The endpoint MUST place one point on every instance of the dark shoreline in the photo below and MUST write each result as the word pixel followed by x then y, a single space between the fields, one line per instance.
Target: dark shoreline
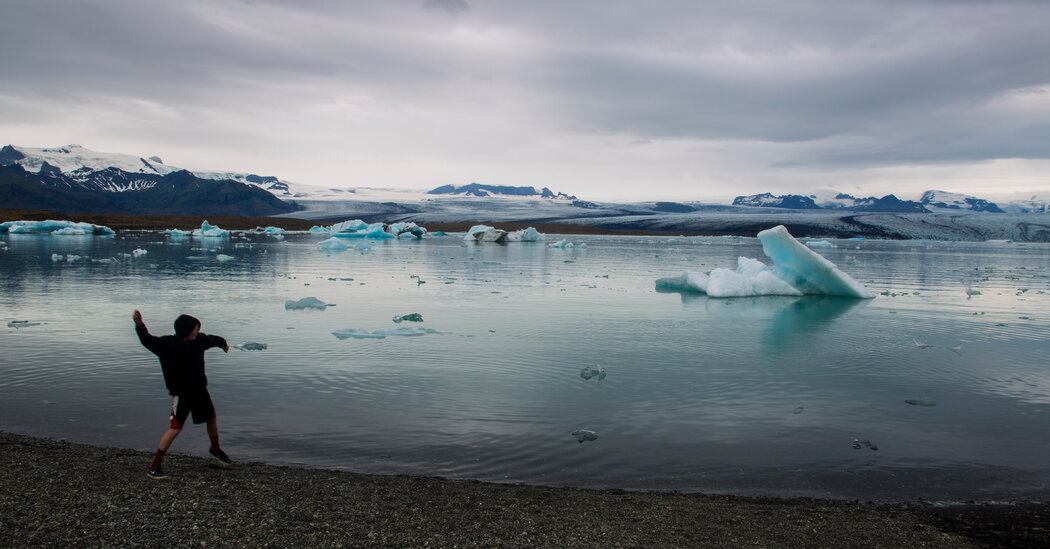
pixel 59 493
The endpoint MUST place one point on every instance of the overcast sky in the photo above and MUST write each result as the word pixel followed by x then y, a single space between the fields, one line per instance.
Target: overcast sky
pixel 604 99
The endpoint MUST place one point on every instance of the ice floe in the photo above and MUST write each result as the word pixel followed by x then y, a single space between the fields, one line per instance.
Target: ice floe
pixel 361 333
pixel 797 270
pixel 307 303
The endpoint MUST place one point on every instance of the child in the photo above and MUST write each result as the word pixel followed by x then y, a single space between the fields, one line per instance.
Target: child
pixel 182 361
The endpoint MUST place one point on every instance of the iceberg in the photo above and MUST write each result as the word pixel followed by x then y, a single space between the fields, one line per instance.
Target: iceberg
pixel 485 233
pixel 54 227
pixel 269 230
pixel 177 233
pixel 355 228
pixel 797 270
pixel 209 230
pixel 333 244
pixel 307 303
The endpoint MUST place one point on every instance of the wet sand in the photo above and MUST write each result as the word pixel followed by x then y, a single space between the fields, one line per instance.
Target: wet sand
pixel 55 493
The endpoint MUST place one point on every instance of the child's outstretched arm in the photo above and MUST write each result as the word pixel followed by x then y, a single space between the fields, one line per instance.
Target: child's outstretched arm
pixel 147 339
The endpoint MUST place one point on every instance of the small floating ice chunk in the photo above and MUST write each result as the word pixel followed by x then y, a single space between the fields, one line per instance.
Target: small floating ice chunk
pixel 307 303
pixel 177 233
pixel 561 244
pixel 858 444
pixel 364 246
pixel 21 324
pixel 922 345
pixel 819 244
pixel 587 372
pixel 583 435
pixel 250 346
pixel 224 257
pixel 57 257
pixel 411 317
pixel 138 252
pixel 920 402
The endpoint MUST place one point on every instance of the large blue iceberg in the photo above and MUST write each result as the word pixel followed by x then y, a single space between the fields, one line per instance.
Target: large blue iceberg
pixel 797 270
pixel 54 227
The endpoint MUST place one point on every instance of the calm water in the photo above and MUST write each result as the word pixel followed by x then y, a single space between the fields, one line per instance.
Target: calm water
pixel 746 396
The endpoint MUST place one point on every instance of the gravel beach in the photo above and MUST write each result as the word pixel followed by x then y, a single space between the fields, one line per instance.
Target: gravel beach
pixel 61 494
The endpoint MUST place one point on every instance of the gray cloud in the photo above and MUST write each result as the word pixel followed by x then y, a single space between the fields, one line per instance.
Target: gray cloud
pixel 821 85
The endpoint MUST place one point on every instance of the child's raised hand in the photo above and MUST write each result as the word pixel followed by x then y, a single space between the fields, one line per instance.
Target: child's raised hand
pixel 137 317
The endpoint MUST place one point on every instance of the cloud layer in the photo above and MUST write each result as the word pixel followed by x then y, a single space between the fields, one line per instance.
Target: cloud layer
pixel 603 99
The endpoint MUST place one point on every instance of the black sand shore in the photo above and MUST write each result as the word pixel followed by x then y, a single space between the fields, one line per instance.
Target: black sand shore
pixel 60 494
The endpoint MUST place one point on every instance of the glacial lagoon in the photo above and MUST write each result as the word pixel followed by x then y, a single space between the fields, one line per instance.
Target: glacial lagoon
pixel 555 366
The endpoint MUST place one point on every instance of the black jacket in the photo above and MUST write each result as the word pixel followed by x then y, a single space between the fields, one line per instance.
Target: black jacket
pixel 181 361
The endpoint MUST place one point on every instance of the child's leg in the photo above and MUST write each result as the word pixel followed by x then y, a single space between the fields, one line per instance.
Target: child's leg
pixel 162 447
pixel 213 433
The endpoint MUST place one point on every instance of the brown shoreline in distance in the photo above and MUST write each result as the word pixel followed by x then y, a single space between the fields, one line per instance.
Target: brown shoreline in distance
pixel 130 222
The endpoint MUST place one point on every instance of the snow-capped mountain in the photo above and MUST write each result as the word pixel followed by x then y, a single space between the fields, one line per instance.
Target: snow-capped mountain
pixel 116 172
pixel 481 190
pixel 944 200
pixel 888 203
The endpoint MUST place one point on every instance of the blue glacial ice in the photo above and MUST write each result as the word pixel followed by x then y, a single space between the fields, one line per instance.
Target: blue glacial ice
pixel 355 228
pixel 57 228
pixel 797 270
pixel 209 230
pixel 307 303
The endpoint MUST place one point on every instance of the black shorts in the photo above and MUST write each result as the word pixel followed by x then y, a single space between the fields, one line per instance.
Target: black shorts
pixel 198 403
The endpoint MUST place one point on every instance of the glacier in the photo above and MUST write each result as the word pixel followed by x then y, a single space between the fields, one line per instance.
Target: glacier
pixel 797 270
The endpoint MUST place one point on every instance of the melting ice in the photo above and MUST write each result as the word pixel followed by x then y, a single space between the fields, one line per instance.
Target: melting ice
pixel 797 270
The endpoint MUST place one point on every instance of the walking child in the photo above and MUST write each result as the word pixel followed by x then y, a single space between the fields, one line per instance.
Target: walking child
pixel 182 361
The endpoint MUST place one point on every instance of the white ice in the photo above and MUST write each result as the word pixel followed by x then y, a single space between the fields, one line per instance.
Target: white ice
pixel 485 233
pixel 797 270
pixel 138 252
pixel 177 232
pixel 224 257
pixel 307 303
pixel 54 227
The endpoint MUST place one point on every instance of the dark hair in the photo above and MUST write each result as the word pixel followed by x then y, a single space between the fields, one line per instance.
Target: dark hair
pixel 185 324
